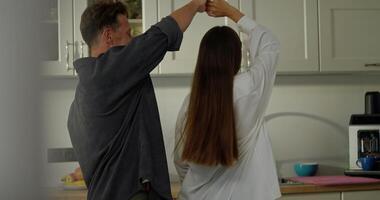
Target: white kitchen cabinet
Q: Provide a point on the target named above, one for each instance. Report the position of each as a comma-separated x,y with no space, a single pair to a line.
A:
343,39
142,14
183,61
57,43
349,35
62,42
315,35
295,23
80,47
361,195
315,196
150,17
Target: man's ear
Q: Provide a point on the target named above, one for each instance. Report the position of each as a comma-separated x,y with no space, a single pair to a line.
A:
107,36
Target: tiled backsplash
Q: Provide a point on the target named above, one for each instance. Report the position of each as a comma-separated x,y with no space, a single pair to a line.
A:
307,119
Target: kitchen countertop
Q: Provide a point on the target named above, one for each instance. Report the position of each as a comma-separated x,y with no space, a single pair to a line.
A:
57,193
306,188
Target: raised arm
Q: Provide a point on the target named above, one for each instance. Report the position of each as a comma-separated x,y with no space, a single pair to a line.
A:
262,45
184,15
260,40
220,8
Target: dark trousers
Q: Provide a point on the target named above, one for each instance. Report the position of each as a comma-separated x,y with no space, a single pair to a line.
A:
140,196
144,194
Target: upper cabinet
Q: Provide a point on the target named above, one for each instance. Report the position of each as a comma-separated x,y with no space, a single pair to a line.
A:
295,23
62,40
349,35
315,35
184,61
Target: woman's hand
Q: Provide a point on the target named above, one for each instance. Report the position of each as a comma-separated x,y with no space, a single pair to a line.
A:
220,8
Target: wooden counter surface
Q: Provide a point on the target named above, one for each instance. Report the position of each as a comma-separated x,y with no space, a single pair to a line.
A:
297,189
60,194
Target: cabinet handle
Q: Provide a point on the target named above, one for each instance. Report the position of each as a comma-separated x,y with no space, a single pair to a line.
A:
248,59
82,49
372,65
68,44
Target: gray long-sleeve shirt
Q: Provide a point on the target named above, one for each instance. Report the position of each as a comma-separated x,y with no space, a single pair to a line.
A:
114,123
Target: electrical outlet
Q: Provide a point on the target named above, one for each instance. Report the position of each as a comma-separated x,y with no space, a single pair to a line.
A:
61,155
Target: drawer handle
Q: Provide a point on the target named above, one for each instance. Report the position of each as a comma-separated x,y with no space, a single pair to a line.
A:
372,65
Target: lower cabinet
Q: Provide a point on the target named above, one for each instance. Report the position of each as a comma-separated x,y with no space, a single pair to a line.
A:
314,196
358,195
355,195
361,195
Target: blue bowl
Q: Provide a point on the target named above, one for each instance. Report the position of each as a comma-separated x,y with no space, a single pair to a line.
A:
306,169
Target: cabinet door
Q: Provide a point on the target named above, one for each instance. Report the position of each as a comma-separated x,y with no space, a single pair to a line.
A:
315,196
362,195
80,47
184,61
142,14
57,52
349,35
149,18
295,23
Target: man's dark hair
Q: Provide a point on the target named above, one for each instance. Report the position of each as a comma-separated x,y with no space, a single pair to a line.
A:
98,16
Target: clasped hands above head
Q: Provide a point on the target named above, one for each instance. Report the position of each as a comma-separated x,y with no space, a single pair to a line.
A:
214,8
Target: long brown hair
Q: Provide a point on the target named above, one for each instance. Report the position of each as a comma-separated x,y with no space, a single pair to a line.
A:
209,134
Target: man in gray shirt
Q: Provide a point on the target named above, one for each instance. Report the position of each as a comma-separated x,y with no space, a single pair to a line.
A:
113,122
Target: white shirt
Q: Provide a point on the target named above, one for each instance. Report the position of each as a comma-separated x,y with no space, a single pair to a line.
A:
254,176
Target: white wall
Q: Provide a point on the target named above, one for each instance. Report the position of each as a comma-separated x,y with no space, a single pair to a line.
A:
19,98
308,118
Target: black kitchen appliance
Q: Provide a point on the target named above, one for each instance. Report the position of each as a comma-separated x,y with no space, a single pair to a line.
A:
372,103
364,136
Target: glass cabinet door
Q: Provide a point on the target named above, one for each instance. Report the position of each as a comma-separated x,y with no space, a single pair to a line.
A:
62,40
134,8
142,14
134,15
57,48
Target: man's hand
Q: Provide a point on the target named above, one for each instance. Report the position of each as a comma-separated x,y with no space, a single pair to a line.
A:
201,5
184,15
220,8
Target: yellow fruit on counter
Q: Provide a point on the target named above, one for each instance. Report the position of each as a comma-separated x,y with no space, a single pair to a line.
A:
72,177
67,179
75,183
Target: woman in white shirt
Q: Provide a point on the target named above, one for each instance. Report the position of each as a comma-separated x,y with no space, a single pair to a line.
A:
223,151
